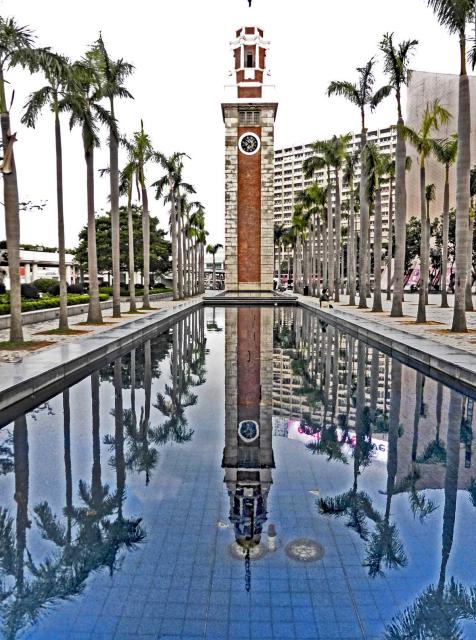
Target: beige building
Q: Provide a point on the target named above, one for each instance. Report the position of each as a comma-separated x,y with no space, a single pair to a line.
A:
289,178
424,88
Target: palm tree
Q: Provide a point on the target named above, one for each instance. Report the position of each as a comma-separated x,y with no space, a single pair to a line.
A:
351,161
445,152
454,14
83,103
141,152
389,172
112,74
212,250
127,177
469,281
16,49
433,117
373,168
279,231
172,180
362,96
58,75
313,201
396,61
430,195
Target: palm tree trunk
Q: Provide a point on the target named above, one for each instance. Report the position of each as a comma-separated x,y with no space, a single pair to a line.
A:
364,230
179,247
469,280
116,251
325,254
146,245
318,255
463,164
130,234
67,462
421,314
377,302
338,238
394,426
444,249
417,413
94,310
12,228
63,310
351,266
213,272
330,236
173,235
184,258
96,484
119,436
390,238
22,477
400,222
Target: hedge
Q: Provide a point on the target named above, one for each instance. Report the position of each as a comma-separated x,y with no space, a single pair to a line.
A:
50,302
139,292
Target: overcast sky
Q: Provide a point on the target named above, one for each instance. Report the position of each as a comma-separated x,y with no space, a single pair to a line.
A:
180,50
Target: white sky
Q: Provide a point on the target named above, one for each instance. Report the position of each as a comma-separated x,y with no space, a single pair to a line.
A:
180,49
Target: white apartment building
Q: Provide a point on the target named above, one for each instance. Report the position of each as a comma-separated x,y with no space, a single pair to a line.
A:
289,178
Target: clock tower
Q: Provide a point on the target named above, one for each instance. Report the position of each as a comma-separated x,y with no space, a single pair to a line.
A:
249,168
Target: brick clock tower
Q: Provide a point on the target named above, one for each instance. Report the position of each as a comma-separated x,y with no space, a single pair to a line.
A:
249,169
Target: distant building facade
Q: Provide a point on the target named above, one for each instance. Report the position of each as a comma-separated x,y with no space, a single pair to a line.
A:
39,264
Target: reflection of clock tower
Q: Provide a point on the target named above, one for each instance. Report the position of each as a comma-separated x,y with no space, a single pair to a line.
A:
248,454
249,169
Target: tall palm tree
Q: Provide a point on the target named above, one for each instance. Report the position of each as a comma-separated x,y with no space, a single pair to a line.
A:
445,152
279,231
396,67
432,118
141,153
16,49
112,74
430,196
212,250
58,75
172,181
127,177
374,168
362,95
469,281
330,154
348,179
83,103
313,200
389,172
454,14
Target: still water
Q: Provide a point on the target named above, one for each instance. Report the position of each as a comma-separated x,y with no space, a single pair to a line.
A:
250,473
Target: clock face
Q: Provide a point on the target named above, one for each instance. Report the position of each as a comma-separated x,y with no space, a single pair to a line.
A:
249,143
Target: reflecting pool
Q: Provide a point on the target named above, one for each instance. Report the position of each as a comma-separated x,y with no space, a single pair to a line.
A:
250,473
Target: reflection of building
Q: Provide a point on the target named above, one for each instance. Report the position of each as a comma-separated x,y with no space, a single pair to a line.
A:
248,454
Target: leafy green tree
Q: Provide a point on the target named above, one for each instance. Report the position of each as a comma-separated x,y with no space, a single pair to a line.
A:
159,246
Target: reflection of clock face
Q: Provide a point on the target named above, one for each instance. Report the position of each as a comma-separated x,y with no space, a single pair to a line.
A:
248,430
249,143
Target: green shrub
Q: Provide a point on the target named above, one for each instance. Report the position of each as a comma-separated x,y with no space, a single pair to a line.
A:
49,302
44,284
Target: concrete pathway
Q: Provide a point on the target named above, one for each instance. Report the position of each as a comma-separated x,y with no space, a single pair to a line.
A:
438,320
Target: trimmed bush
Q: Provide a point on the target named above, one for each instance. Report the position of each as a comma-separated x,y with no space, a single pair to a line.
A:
49,303
44,284
75,288
29,292
54,289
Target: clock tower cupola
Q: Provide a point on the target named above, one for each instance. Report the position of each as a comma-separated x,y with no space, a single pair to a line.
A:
249,117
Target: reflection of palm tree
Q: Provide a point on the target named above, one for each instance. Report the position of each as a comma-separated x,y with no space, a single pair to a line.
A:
67,462
385,546
435,452
437,611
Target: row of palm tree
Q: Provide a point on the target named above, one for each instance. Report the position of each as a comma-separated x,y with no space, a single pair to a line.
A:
79,89
455,15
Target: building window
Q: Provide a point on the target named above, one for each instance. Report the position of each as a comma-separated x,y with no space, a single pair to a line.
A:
249,61
249,118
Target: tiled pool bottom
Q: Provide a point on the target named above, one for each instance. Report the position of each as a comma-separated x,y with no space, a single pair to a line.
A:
181,580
